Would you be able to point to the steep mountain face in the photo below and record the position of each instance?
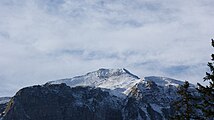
(147, 100)
(106, 94)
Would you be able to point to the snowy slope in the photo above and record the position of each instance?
(166, 82)
(113, 79)
(163, 81)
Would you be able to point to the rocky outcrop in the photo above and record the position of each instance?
(147, 100)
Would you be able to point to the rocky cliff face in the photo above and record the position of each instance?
(60, 102)
(91, 97)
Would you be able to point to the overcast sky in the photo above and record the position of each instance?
(43, 40)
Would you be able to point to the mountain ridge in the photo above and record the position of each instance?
(131, 97)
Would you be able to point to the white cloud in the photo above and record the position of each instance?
(52, 39)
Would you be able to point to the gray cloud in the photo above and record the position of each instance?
(46, 40)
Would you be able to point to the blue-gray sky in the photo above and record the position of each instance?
(42, 40)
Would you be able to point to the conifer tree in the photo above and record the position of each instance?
(207, 92)
(184, 108)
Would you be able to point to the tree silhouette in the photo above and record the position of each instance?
(207, 92)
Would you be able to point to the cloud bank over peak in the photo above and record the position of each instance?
(46, 40)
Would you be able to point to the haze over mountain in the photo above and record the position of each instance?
(52, 39)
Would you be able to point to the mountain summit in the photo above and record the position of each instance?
(118, 80)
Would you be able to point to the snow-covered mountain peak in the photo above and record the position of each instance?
(107, 73)
(117, 80)
(148, 98)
